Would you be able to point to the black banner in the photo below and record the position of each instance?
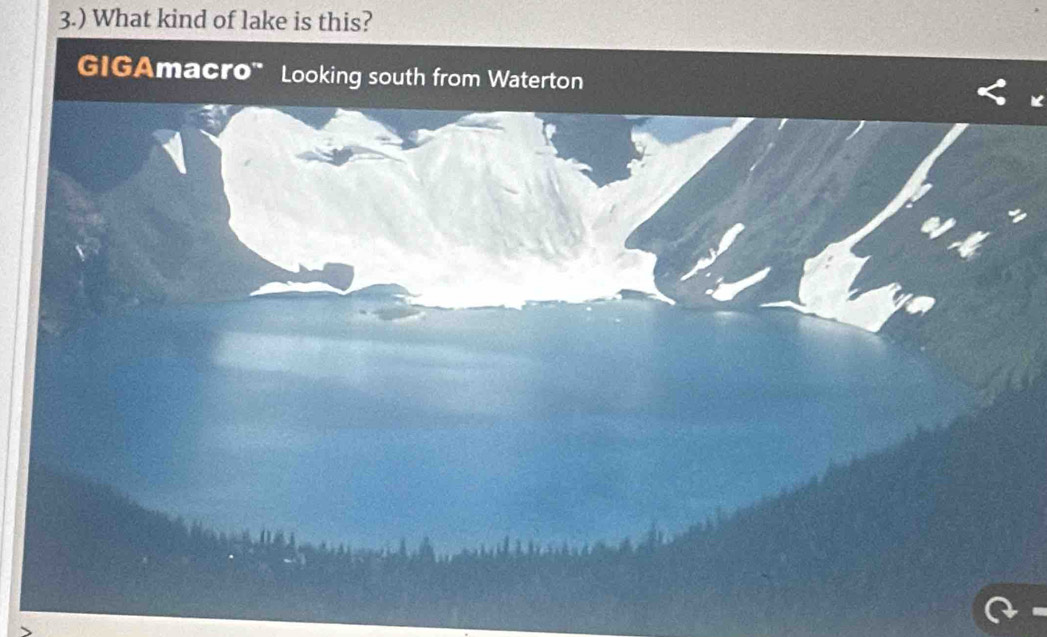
(553, 80)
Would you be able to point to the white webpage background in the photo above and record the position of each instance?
(20, 101)
(1009, 29)
(950, 28)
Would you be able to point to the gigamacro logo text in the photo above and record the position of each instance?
(139, 67)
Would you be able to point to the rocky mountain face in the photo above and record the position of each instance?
(935, 235)
(161, 235)
(74, 269)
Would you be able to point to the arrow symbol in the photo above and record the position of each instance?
(1008, 609)
(27, 631)
(1037, 101)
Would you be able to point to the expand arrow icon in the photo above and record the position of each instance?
(1037, 101)
(27, 631)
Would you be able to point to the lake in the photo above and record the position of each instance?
(557, 422)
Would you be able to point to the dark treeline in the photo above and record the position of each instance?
(896, 543)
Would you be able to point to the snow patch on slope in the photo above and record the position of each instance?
(968, 248)
(857, 130)
(725, 242)
(277, 287)
(934, 227)
(766, 151)
(211, 138)
(171, 142)
(727, 291)
(476, 213)
(826, 287)
(924, 189)
(1016, 215)
(920, 305)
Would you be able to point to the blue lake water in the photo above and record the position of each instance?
(555, 423)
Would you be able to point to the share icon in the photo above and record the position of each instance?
(987, 91)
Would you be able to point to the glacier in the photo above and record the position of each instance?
(480, 212)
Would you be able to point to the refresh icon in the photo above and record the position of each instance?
(1008, 609)
(1011, 610)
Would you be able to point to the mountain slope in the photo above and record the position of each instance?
(161, 235)
(932, 234)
